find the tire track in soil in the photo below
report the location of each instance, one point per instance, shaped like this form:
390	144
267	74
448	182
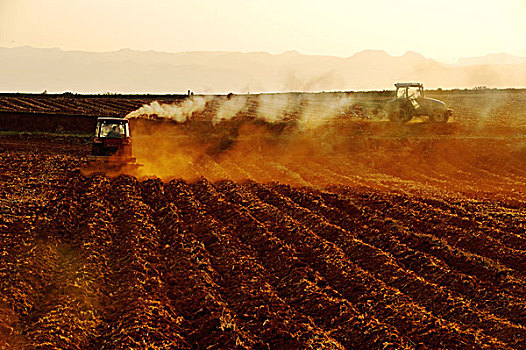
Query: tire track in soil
483	164
301	287
244	283
208	322
137	307
497	174
441	301
259	173
311	175
385	235
474	175
375	178
369	294
412	174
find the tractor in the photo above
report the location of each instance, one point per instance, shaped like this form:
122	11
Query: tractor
410	102
111	150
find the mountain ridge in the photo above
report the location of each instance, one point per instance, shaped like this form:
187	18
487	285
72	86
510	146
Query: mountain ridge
29	69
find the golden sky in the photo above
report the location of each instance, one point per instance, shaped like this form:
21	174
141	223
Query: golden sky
444	30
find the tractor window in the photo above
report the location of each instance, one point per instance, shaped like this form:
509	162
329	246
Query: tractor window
401	93
112	130
413	92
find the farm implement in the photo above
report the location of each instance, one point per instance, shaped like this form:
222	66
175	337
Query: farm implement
111	150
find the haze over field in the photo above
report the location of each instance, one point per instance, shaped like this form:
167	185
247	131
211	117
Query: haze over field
243	46
127	71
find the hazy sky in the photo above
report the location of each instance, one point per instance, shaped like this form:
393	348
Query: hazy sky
444	29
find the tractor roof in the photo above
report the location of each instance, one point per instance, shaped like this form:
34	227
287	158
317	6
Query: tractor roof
409	85
112	120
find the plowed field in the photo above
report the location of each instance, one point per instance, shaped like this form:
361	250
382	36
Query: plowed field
356	235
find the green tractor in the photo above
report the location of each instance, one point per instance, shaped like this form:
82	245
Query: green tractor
410	102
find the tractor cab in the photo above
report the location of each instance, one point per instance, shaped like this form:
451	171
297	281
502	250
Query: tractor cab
412	92
112	128
112	137
112	147
409	90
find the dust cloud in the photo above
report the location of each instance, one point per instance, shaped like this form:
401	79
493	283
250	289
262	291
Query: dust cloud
308	110
309	140
218	136
176	112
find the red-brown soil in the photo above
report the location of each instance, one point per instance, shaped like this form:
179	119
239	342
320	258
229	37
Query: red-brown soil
256	236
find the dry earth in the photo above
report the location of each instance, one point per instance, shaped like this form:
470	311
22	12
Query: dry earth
353	234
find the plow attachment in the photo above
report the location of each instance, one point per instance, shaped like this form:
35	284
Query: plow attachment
109	165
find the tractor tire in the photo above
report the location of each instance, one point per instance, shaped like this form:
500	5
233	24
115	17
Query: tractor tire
439	117
400	115
96	149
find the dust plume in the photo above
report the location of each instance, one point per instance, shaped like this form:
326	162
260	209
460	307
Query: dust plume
229	108
307	110
176	112
321	108
312	140
378	155
227	150
276	107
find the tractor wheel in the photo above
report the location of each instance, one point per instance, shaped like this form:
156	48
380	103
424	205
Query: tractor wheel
96	149
439	117
400	115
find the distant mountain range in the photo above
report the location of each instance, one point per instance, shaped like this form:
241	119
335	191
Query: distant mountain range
28	69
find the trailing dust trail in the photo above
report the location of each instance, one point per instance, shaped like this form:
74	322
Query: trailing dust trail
451	158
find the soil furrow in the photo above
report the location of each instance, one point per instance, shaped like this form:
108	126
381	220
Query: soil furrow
297	284
441	301
244	282
138	309
358	286
464	262
385	235
457	231
208	322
